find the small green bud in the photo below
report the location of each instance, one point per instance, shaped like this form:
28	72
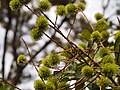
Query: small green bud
21	60
42	23
103	81
96	36
50	86
105	34
15	5
101	25
51	60
109	69
35	34
44	5
81	5
98	16
44	72
117	35
87	71
60	10
108	59
71	9
103	52
39	85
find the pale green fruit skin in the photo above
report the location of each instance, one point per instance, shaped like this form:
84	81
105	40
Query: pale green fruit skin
15	5
42	23
98	16
22	60
81	6
39	85
44	5
87	71
60	10
35	34
44	72
71	9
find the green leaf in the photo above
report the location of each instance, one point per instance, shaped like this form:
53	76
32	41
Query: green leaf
117	49
85	34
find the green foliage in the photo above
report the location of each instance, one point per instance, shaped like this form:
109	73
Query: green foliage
87	71
109	69
82	46
103	81
85	34
42	23
39	85
105	34
21	60
98	16
81	5
96	36
103	52
117	35
44	72
117	50
63	84
35	34
71	9
101	25
60	10
15	5
44	5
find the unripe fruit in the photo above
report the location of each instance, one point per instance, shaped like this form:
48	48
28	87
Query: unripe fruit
71	9
21	60
60	10
103	81
44	5
51	60
98	16
35	34
39	85
15	5
81	6
87	71
44	72
42	23
109	69
108	59
50	86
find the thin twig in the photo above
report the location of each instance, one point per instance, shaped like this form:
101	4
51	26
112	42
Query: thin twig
31	57
71	27
9	84
87	20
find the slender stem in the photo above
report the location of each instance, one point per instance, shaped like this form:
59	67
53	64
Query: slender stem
87	20
71	27
9	84
31	57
